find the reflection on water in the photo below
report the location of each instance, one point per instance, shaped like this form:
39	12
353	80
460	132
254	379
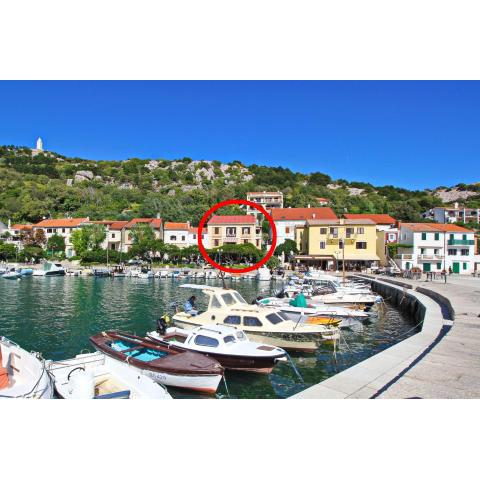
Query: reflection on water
57	315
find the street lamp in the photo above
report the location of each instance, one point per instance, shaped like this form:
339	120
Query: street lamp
336	252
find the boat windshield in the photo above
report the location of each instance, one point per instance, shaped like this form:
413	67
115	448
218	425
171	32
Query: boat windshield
229	339
239	298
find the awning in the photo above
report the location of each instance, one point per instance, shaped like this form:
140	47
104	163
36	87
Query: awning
313	257
360	258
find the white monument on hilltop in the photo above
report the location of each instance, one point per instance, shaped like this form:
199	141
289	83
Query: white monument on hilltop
39	144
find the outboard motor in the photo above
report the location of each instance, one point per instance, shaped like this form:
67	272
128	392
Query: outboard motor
162	324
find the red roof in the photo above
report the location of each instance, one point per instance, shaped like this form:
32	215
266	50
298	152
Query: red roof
154	222
435	227
176	226
18	226
118	225
322	213
195	230
380	218
61	222
228	219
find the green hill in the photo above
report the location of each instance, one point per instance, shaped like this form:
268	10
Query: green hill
49	184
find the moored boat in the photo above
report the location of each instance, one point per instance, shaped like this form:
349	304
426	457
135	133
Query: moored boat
22	374
261	323
229	346
167	365
50	269
95	375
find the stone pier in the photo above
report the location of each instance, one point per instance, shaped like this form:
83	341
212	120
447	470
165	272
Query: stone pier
441	361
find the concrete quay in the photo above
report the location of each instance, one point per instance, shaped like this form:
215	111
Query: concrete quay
441	361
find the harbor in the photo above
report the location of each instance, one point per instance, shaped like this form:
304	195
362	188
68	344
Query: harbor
61	313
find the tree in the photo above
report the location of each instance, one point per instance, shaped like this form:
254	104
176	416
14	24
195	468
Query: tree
56	244
88	238
143	241
286	247
33	252
40	237
7	251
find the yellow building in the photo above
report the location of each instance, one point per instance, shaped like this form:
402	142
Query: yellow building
326	243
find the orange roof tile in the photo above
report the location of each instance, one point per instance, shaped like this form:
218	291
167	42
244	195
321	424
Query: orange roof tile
380	218
118	225
227	219
435	227
176	226
325	213
19	226
154	222
61	222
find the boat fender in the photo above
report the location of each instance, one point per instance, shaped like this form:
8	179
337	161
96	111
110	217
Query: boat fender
82	385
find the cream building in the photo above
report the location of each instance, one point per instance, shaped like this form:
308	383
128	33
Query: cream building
237	229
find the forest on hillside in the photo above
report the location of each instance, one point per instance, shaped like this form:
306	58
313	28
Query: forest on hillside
51	185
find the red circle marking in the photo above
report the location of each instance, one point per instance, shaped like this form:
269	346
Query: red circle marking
236	202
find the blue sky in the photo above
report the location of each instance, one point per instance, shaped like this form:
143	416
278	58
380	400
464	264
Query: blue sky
410	134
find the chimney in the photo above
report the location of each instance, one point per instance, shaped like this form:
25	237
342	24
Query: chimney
308	206
313	215
9	224
158	215
456	204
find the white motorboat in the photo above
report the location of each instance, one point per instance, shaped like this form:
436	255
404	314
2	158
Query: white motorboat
263	274
229	346
145	273
316	312
261	323
95	375
12	275
50	269
22	374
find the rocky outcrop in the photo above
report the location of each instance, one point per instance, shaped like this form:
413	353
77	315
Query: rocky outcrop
84	175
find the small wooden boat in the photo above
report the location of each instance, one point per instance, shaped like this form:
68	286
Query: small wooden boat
22	374
168	365
95	375
228	345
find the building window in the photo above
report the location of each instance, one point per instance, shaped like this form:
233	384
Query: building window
49	230
439	266
195	236
63	230
323	231
113	235
465	265
216	230
437	236
183	238
452	251
245	241
465	251
322	245
424	236
360	230
334	232
246	230
361	245
216	243
173	238
422	251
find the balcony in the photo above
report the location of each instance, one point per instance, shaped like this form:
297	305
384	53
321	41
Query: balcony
426	258
460	242
231	239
